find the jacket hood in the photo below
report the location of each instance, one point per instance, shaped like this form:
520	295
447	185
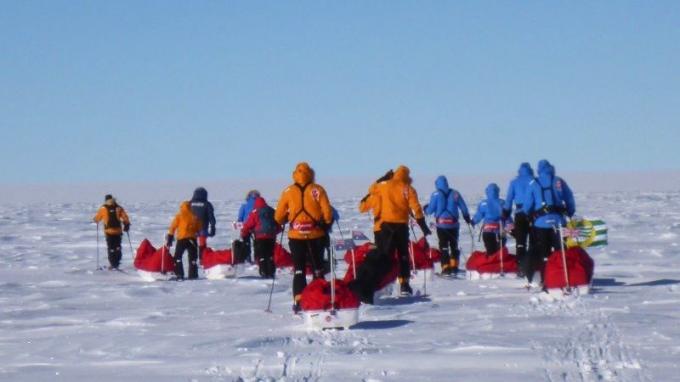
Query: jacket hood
402	174
110	202
200	195
252	195
546	174
542	165
260	202
441	183
185	207
492	191
303	174
525	170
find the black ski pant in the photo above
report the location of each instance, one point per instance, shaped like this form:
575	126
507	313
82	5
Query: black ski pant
303	251
191	247
521	233
264	254
395	237
491	242
448	245
113	245
546	240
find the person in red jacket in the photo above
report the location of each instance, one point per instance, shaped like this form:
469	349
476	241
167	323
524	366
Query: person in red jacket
261	224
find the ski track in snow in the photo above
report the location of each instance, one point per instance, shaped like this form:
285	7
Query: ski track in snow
62	320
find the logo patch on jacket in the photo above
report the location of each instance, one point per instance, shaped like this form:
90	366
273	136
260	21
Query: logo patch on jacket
316	194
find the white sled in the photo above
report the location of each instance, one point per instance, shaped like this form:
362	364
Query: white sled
560	293
475	275
219	272
154	276
326	319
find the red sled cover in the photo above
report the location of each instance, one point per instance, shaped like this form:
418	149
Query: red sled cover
317	296
580	267
212	257
149	258
360	253
282	258
480	262
424	256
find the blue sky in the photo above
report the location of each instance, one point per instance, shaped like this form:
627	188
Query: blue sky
209	90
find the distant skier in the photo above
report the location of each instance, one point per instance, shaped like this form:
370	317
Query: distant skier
116	221
489	213
243	212
446	204
398	201
186	226
549	201
305	206
517	193
204	211
263	226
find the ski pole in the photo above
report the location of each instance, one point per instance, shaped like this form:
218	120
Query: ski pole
413	260
410	247
500	244
132	253
98	267
271	290
351	251
332	260
564	259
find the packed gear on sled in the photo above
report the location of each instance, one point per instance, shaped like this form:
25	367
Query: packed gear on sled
398	201
518	189
446	205
262	225
282	258
549	201
304	205
579	271
327	305
374	271
116	221
205	212
150	259
490	215
185	227
498	262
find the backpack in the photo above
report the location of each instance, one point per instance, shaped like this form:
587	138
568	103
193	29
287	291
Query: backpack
112	220
267	224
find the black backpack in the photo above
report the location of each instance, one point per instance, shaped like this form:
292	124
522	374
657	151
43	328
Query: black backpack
112	220
267	222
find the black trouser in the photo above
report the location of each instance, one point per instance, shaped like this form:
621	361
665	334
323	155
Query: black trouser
491	242
546	240
521	232
394	237
114	250
264	254
304	250
448	245
191	246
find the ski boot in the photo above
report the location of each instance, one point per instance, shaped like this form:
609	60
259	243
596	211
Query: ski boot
405	289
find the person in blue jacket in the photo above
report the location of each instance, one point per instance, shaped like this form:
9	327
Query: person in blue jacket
243	213
447	204
549	201
205	212
517	192
490	213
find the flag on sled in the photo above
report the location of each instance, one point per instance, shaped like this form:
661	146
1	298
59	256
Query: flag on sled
344	245
358	235
586	233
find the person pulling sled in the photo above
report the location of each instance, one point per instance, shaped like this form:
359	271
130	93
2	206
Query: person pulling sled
205	212
187	227
517	193
116	221
490	214
262	225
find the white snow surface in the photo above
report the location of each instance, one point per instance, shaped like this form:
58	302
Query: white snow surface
61	320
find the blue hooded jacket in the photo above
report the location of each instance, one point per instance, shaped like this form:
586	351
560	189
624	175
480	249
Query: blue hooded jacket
445	203
246	207
204	211
519	187
490	210
548	193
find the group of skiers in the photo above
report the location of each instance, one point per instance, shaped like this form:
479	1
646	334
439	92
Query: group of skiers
540	204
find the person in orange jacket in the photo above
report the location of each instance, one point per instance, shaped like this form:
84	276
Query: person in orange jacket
186	226
398	201
305	206
116	221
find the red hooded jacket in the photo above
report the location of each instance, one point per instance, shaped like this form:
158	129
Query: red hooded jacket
253	223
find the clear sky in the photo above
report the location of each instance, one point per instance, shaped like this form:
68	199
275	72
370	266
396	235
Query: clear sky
203	90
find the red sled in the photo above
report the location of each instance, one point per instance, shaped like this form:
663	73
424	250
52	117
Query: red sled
212	257
150	259
282	258
481	263
580	267
424	256
360	253
318	311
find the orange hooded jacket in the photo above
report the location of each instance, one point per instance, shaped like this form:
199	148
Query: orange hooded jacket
185	223
398	199
304	204
103	215
372	203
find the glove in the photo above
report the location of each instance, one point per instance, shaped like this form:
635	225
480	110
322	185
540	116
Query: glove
211	231
505	214
325	226
388	175
126	227
169	239
425	206
467	220
423	226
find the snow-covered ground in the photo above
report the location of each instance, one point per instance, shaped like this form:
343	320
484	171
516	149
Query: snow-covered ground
61	320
